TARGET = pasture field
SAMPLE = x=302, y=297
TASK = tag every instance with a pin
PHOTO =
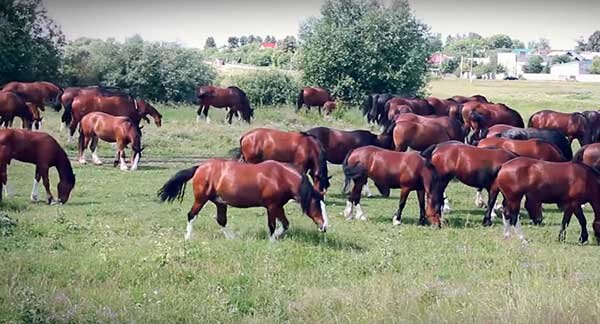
x=113, y=253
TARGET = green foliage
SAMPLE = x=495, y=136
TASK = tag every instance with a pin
x=30, y=42
x=449, y=66
x=473, y=44
x=155, y=71
x=233, y=42
x=560, y=59
x=359, y=47
x=435, y=42
x=592, y=44
x=210, y=43
x=269, y=87
x=500, y=41
x=595, y=68
x=541, y=45
x=534, y=65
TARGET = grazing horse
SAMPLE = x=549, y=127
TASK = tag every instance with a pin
x=550, y=136
x=462, y=99
x=231, y=97
x=589, y=155
x=483, y=116
x=269, y=184
x=39, y=93
x=567, y=184
x=112, y=129
x=301, y=149
x=475, y=167
x=388, y=169
x=416, y=135
x=452, y=125
x=572, y=125
x=442, y=107
x=116, y=104
x=404, y=105
x=42, y=150
x=12, y=105
x=377, y=112
x=533, y=148
x=593, y=117
x=311, y=97
x=329, y=107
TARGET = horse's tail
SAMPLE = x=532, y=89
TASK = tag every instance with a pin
x=57, y=100
x=81, y=139
x=428, y=154
x=245, y=107
x=300, y=100
x=67, y=116
x=389, y=130
x=175, y=187
x=351, y=172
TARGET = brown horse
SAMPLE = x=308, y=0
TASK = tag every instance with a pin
x=312, y=97
x=42, y=150
x=417, y=106
x=452, y=125
x=567, y=184
x=112, y=129
x=416, y=135
x=589, y=155
x=572, y=125
x=533, y=148
x=482, y=116
x=497, y=130
x=117, y=104
x=12, y=105
x=39, y=93
x=388, y=169
x=329, y=107
x=475, y=167
x=301, y=149
x=231, y=97
x=593, y=117
x=442, y=107
x=269, y=184
x=462, y=99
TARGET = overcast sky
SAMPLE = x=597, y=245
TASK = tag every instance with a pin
x=190, y=22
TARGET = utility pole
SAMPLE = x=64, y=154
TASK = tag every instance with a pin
x=471, y=64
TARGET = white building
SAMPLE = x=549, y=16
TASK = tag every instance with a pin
x=571, y=69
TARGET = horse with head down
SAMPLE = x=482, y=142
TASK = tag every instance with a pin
x=300, y=149
x=551, y=136
x=231, y=97
x=39, y=93
x=593, y=117
x=12, y=105
x=572, y=125
x=482, y=116
x=312, y=97
x=589, y=155
x=442, y=107
x=452, y=125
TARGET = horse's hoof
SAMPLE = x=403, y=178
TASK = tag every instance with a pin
x=34, y=198
x=487, y=222
x=82, y=162
x=583, y=241
x=561, y=236
x=396, y=222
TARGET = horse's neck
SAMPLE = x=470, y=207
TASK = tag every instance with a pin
x=63, y=166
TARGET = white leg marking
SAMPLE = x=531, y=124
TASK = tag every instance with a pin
x=359, y=213
x=366, y=191
x=188, y=231
x=348, y=210
x=279, y=232
x=207, y=119
x=8, y=189
x=395, y=221
x=519, y=232
x=228, y=234
x=96, y=159
x=35, y=190
x=506, y=228
x=136, y=161
x=479, y=200
x=325, y=217
x=82, y=159
x=446, y=209
x=198, y=118
x=123, y=164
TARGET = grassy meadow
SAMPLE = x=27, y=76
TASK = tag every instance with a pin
x=113, y=253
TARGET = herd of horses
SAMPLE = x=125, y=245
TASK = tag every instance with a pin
x=423, y=145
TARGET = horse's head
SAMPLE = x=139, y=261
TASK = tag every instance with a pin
x=65, y=186
x=312, y=204
x=56, y=99
x=583, y=126
x=329, y=107
x=204, y=91
x=147, y=109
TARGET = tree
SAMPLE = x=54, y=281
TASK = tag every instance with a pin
x=542, y=45
x=467, y=45
x=449, y=66
x=288, y=44
x=435, y=42
x=30, y=42
x=500, y=41
x=244, y=41
x=517, y=44
x=595, y=68
x=360, y=47
x=560, y=59
x=233, y=42
x=592, y=44
x=210, y=43
x=534, y=65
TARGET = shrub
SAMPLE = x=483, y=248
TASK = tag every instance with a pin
x=268, y=87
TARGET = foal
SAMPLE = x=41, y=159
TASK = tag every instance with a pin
x=121, y=130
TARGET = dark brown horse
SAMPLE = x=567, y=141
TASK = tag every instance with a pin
x=338, y=143
x=475, y=167
x=483, y=116
x=533, y=148
x=551, y=136
x=417, y=106
x=452, y=125
x=39, y=93
x=572, y=125
x=329, y=107
x=268, y=184
x=12, y=105
x=231, y=97
x=462, y=99
x=567, y=184
x=112, y=129
x=442, y=107
x=388, y=169
x=416, y=135
x=42, y=150
x=312, y=97
x=300, y=149
x=593, y=117
x=589, y=155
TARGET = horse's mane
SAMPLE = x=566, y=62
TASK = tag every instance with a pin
x=307, y=193
x=322, y=160
x=109, y=91
x=247, y=111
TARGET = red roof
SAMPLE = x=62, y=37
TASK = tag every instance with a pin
x=268, y=45
x=438, y=58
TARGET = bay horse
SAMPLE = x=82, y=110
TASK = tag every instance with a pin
x=572, y=125
x=483, y=116
x=416, y=135
x=231, y=97
x=593, y=117
x=269, y=184
x=42, y=150
x=300, y=149
x=69, y=94
x=39, y=93
x=312, y=97
x=329, y=107
x=462, y=99
x=589, y=155
x=12, y=105
x=475, y=167
x=550, y=136
x=388, y=169
x=403, y=105
x=533, y=148
x=567, y=184
x=377, y=111
x=452, y=125
x=442, y=107
x=112, y=129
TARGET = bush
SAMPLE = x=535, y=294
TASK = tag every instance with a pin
x=267, y=87
x=595, y=69
x=534, y=65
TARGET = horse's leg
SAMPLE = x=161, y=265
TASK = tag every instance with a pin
x=199, y=202
x=72, y=128
x=230, y=115
x=222, y=221
x=421, y=199
x=93, y=148
x=355, y=198
x=595, y=202
x=205, y=111
x=116, y=161
x=84, y=141
x=479, y=202
x=199, y=113
x=510, y=213
x=285, y=224
x=274, y=212
x=36, y=185
x=492, y=196
x=366, y=191
x=397, y=218
x=3, y=177
x=121, y=150
x=534, y=208
x=43, y=172
x=567, y=213
x=583, y=238
x=320, y=107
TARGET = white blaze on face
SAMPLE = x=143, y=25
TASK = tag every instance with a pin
x=324, y=215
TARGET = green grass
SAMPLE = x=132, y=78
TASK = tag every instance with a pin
x=115, y=254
